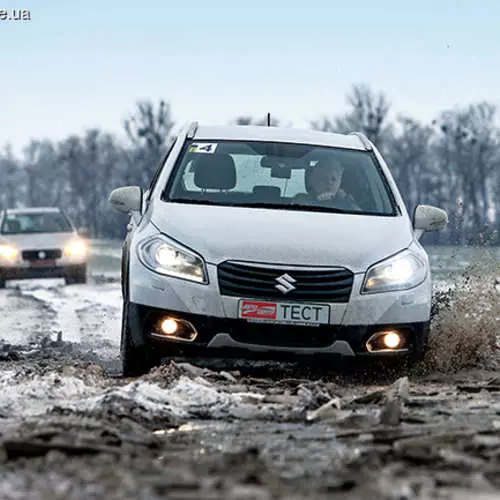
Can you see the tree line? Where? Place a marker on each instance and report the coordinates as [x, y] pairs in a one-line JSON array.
[[452, 162]]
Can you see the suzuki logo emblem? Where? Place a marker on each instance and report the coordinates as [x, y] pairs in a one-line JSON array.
[[285, 283], [41, 255]]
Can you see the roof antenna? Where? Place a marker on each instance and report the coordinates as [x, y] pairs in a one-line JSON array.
[[268, 119]]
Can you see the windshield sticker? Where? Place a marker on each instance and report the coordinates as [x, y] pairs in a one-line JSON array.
[[203, 147]]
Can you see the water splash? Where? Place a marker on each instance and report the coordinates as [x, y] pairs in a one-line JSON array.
[[465, 327]]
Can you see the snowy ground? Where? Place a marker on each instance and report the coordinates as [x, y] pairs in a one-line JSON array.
[[72, 428]]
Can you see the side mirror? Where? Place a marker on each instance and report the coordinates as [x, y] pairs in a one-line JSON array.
[[126, 199], [83, 232], [429, 218]]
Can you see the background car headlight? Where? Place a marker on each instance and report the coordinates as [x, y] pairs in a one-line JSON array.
[[164, 257], [8, 252], [401, 272], [77, 248]]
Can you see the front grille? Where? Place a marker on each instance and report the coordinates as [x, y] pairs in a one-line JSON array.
[[282, 335], [50, 254], [243, 280]]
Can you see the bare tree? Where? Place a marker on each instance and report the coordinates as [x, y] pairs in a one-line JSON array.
[[46, 180], [496, 206], [455, 165], [470, 144], [410, 161], [368, 113], [10, 177], [149, 127], [148, 130]]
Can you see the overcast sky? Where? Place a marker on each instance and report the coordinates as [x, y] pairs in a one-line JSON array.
[[83, 64]]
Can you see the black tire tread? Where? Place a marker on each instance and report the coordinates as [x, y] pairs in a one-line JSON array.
[[135, 360], [78, 276]]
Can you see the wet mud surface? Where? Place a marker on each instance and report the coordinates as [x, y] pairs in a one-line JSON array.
[[72, 428]]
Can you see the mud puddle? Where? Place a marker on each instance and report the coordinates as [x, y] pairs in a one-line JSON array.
[[185, 431], [72, 428]]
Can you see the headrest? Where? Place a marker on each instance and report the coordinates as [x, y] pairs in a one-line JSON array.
[[267, 192], [214, 171]]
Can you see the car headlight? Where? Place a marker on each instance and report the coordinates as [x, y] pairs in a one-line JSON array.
[[401, 272], [165, 257], [76, 248], [8, 252]]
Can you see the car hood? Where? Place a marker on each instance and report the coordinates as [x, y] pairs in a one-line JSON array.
[[283, 236], [37, 241]]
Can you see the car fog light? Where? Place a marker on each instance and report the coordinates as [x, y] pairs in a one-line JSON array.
[[392, 340], [169, 326], [177, 329], [387, 340]]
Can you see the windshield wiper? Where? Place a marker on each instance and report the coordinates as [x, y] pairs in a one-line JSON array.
[[258, 204], [319, 208], [194, 201], [293, 206]]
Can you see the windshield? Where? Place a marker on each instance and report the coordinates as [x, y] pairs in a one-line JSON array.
[[40, 222], [280, 175]]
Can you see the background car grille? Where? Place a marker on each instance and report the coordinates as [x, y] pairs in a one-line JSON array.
[[49, 254], [241, 280]]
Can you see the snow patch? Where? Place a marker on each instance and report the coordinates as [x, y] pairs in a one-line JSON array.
[[186, 398], [67, 301], [34, 395]]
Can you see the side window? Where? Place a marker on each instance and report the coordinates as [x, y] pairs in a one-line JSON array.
[[170, 145]]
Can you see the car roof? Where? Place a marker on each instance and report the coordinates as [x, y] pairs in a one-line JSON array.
[[31, 210], [279, 134]]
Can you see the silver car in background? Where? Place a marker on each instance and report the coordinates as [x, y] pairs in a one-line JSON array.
[[41, 243]]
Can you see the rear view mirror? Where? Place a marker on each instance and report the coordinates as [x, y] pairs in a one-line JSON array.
[[281, 172], [429, 218], [290, 163], [126, 199], [281, 167]]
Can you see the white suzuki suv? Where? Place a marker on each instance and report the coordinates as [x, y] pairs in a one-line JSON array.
[[272, 240]]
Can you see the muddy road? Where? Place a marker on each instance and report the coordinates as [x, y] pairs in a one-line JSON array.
[[72, 428]]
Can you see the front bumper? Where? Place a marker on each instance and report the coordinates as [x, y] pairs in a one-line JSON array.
[[222, 336], [18, 273]]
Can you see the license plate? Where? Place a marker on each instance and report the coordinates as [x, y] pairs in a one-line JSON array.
[[43, 263], [284, 312]]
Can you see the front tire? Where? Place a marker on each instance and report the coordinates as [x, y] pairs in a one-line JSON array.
[[77, 276], [421, 343], [137, 357]]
